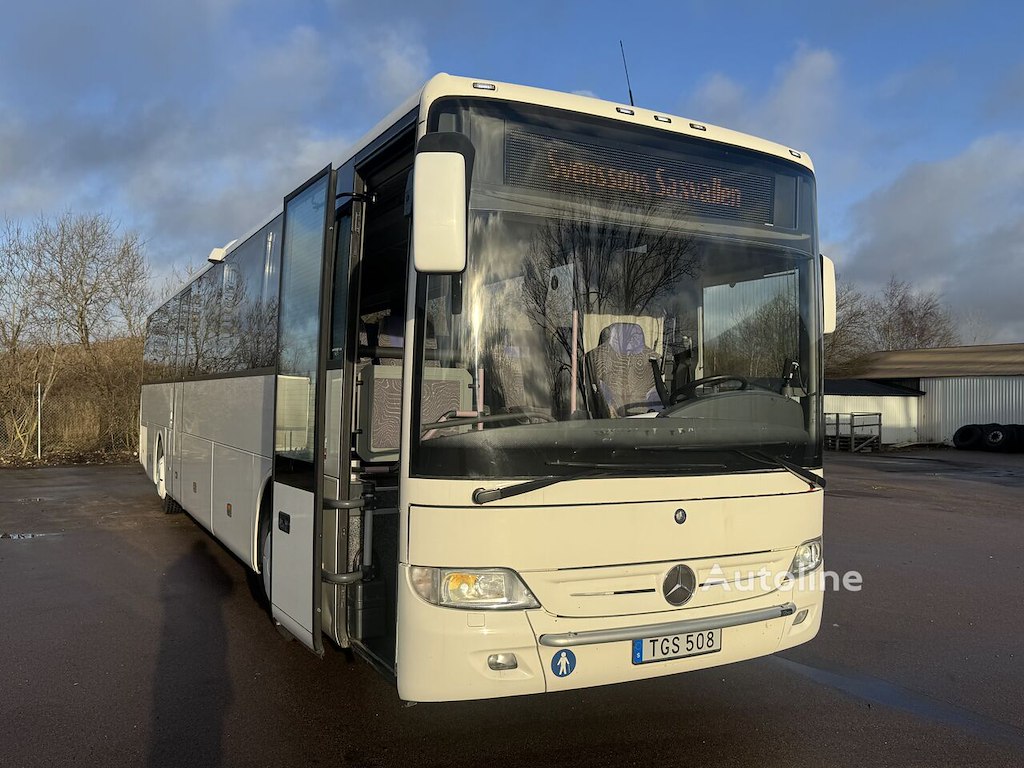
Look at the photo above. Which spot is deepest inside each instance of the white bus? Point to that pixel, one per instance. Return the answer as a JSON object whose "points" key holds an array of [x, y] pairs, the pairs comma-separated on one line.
{"points": [[523, 395]]}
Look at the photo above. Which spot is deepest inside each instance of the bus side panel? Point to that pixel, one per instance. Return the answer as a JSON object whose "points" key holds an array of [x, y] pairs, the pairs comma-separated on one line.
{"points": [[224, 445], [234, 505], [143, 444], [235, 411], [196, 478], [155, 416]]}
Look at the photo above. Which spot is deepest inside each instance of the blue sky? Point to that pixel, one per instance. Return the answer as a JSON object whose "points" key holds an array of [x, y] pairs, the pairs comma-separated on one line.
{"points": [[189, 120]]}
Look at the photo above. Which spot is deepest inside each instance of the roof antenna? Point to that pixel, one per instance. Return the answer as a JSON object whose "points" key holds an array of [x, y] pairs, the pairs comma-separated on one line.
{"points": [[628, 86]]}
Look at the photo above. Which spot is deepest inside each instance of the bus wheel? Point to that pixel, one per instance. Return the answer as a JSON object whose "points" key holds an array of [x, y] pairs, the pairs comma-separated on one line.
{"points": [[265, 553], [159, 471], [266, 564], [170, 506]]}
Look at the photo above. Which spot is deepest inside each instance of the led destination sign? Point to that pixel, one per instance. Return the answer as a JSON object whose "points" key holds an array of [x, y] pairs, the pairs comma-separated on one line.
{"points": [[607, 174]]}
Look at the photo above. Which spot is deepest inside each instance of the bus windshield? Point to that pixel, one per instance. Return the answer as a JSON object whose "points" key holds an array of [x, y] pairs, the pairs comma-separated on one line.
{"points": [[632, 298]]}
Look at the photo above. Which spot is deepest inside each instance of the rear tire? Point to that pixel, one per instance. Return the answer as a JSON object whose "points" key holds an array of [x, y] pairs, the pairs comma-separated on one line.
{"points": [[968, 437], [171, 507], [160, 472]]}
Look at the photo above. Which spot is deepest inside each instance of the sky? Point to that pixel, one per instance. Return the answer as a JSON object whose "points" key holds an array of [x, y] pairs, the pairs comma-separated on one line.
{"points": [[189, 121]]}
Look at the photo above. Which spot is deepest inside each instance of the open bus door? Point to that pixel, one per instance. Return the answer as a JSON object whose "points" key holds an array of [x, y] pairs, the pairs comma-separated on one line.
{"points": [[297, 520]]}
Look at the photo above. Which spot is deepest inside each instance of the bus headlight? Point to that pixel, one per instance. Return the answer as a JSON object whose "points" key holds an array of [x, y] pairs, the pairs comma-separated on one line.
{"points": [[476, 588], [808, 557]]}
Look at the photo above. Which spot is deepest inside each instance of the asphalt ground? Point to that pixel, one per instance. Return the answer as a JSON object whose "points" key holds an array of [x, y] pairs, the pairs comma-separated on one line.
{"points": [[130, 637]]}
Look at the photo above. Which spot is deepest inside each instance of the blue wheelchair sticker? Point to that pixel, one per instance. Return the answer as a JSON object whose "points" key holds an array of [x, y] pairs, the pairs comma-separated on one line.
{"points": [[638, 651], [563, 663]]}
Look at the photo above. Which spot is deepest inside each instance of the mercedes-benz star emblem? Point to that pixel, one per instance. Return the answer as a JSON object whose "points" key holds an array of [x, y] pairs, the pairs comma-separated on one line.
{"points": [[679, 585]]}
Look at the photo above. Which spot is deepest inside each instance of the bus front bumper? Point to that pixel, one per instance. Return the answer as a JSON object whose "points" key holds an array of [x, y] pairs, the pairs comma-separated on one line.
{"points": [[451, 654]]}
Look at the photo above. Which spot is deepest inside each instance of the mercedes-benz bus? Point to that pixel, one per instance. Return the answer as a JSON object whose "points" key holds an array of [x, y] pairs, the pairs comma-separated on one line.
{"points": [[522, 395]]}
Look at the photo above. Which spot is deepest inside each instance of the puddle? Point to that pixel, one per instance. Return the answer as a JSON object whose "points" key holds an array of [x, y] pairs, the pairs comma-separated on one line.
{"points": [[890, 695], [6, 535]]}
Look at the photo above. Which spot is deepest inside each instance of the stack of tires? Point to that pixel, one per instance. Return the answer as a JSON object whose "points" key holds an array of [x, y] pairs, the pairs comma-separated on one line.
{"points": [[989, 437]]}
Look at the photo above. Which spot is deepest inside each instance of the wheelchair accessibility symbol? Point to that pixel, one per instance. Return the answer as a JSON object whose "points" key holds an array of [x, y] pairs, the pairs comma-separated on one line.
{"points": [[563, 663]]}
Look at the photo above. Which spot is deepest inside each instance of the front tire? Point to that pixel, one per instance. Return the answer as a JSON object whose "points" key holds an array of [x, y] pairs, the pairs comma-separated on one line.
{"points": [[266, 552]]}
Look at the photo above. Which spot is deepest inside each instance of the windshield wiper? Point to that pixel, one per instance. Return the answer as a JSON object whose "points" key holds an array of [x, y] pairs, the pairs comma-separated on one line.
{"points": [[590, 469], [758, 456], [464, 421], [795, 469]]}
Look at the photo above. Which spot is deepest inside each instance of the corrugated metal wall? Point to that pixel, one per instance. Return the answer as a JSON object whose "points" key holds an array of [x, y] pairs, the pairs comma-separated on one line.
{"points": [[951, 402], [899, 414]]}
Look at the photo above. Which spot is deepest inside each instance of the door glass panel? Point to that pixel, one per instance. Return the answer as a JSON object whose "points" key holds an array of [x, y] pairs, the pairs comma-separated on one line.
{"points": [[299, 324]]}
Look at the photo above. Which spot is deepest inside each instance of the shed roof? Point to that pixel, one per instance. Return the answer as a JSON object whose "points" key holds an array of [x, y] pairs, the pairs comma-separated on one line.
{"points": [[864, 388], [980, 360]]}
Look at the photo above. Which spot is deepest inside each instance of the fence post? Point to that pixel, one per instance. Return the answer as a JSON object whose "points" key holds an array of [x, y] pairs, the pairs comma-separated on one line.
{"points": [[39, 421]]}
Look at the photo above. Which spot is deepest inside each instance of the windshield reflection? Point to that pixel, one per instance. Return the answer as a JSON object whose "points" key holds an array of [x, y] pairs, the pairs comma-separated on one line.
{"points": [[569, 329]]}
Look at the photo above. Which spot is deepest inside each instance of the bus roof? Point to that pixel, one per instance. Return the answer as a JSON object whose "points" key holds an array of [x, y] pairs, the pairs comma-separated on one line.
{"points": [[443, 84]]}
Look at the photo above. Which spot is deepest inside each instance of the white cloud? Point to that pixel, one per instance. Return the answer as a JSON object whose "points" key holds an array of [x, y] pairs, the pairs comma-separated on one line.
{"points": [[394, 63], [955, 226], [720, 99], [198, 125], [799, 108]]}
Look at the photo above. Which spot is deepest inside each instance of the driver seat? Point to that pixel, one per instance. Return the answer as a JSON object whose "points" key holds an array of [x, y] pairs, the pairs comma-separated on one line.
{"points": [[623, 377]]}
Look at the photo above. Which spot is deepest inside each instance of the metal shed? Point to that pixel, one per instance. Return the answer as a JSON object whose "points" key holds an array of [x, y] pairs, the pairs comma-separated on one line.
{"points": [[981, 384], [898, 406]]}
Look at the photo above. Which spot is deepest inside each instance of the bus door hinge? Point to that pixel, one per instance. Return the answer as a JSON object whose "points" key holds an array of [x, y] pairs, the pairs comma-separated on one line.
{"points": [[359, 197]]}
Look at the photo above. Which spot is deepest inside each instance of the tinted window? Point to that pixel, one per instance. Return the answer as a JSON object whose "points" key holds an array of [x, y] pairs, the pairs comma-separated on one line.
{"points": [[201, 347], [225, 321]]}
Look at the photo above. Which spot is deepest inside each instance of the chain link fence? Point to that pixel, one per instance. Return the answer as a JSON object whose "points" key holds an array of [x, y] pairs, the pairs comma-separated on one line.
{"points": [[89, 412]]}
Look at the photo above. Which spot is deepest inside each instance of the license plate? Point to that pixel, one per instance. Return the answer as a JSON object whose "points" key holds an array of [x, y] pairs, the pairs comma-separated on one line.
{"points": [[676, 646]]}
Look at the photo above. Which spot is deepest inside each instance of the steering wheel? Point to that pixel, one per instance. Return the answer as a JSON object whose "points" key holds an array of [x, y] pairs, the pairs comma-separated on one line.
{"points": [[688, 391]]}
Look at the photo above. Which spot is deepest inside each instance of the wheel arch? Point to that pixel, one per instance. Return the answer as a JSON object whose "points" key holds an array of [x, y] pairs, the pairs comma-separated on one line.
{"points": [[263, 514]]}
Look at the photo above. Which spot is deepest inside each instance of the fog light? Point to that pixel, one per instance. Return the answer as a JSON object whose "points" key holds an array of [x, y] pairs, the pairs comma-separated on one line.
{"points": [[799, 618], [500, 662]]}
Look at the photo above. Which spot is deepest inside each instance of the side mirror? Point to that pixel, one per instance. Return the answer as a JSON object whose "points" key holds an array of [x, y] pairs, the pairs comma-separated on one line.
{"points": [[440, 202], [828, 294]]}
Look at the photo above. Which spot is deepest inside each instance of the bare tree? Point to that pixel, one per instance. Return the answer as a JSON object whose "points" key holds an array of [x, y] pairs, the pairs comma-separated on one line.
{"points": [[29, 338], [975, 327], [902, 318], [98, 275], [851, 338], [899, 317], [74, 291]]}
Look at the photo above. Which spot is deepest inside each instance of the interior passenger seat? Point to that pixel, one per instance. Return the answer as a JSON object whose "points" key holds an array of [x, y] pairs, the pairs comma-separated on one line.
{"points": [[623, 373]]}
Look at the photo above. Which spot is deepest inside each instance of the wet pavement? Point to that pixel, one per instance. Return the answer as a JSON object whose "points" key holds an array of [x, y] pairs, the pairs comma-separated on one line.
{"points": [[129, 637]]}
